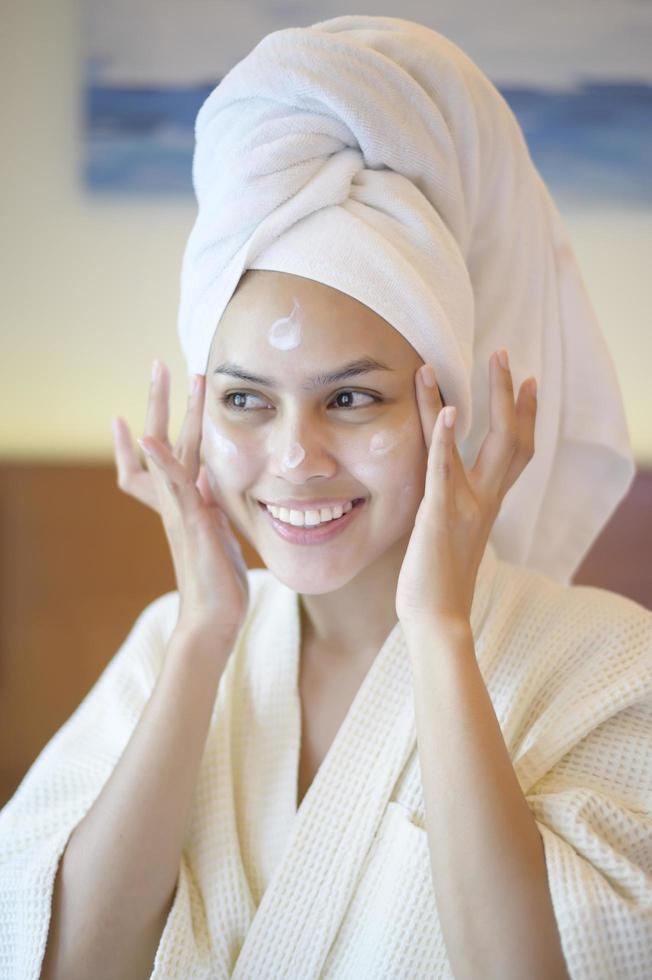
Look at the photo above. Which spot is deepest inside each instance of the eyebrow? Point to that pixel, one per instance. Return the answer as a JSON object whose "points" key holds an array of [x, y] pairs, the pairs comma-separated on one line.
{"points": [[363, 365]]}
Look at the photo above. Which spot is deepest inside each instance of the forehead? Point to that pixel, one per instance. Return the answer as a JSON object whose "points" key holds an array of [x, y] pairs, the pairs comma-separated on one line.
{"points": [[332, 326]]}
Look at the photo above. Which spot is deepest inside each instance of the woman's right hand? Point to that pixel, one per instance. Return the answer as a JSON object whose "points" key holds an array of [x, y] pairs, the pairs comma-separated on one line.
{"points": [[210, 570]]}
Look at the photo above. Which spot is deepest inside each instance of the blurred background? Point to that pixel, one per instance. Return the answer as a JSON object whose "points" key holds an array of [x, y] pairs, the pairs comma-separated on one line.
{"points": [[98, 105]]}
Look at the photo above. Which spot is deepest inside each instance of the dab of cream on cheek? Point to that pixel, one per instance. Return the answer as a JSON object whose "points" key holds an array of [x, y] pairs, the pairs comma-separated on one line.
{"points": [[373, 462], [217, 441], [383, 442], [386, 440], [232, 464]]}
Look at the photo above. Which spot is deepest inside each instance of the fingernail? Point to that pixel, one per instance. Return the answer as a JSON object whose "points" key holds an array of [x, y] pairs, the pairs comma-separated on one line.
{"points": [[144, 448], [503, 358], [449, 416], [428, 376], [156, 367]]}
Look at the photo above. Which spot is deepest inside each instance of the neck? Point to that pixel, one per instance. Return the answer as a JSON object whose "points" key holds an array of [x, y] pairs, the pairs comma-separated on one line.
{"points": [[350, 625]]}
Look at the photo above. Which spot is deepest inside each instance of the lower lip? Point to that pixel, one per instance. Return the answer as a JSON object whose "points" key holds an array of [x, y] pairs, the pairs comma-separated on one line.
{"points": [[314, 535]]}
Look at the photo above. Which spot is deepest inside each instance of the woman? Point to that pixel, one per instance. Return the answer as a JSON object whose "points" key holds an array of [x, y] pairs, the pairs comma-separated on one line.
{"points": [[406, 747]]}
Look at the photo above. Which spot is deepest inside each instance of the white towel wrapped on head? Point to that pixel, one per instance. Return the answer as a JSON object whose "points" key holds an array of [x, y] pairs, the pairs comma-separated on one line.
{"points": [[371, 154]]}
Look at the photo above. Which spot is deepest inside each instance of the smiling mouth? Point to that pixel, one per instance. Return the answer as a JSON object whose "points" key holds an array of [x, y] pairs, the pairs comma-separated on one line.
{"points": [[316, 533], [275, 511]]}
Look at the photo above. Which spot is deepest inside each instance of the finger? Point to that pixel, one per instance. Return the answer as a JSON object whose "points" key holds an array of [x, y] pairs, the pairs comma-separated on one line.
{"points": [[526, 412], [205, 489], [210, 489], [171, 474], [188, 444], [158, 405], [429, 401], [500, 443], [127, 462], [440, 473], [133, 478]]}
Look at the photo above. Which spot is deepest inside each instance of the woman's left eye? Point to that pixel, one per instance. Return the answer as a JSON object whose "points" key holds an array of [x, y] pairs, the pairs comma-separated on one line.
{"points": [[364, 394], [230, 403]]}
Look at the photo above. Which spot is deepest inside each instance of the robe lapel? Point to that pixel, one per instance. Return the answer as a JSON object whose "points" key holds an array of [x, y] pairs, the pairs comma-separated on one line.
{"points": [[312, 858]]}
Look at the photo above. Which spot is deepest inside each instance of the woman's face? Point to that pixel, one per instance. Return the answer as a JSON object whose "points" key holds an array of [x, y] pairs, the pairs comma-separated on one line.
{"points": [[284, 439]]}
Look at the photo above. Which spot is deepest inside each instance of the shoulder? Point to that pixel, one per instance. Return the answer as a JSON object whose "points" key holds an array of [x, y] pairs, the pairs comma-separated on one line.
{"points": [[158, 619], [568, 644], [572, 613], [560, 662]]}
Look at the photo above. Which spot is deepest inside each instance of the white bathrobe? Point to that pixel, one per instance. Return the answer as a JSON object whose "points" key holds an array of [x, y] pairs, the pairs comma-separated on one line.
{"points": [[342, 887]]}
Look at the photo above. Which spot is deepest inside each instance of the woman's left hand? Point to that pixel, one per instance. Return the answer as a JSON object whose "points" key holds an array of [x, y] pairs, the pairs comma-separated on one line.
{"points": [[438, 575]]}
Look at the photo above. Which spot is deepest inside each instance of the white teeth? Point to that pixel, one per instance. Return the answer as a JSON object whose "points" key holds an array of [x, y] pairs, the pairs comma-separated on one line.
{"points": [[309, 518]]}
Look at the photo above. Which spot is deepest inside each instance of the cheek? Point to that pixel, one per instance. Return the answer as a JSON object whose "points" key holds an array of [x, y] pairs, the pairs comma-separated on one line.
{"points": [[391, 463], [233, 464]]}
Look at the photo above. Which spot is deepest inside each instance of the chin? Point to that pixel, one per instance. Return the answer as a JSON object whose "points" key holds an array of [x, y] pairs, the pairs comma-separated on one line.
{"points": [[305, 583], [311, 574]]}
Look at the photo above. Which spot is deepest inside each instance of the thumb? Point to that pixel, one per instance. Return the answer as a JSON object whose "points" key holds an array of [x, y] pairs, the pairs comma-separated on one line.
{"points": [[208, 496], [204, 487]]}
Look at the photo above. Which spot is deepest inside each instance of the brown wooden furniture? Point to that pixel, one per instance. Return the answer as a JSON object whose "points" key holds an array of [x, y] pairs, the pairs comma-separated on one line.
{"points": [[80, 560]]}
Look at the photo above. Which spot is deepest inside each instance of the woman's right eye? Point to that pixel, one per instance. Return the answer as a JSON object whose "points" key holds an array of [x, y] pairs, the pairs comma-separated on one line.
{"points": [[229, 399]]}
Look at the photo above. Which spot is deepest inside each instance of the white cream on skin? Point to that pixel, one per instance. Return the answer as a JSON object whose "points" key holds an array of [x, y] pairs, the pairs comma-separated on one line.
{"points": [[228, 466], [216, 440], [370, 465], [285, 333], [386, 440], [295, 455], [383, 442]]}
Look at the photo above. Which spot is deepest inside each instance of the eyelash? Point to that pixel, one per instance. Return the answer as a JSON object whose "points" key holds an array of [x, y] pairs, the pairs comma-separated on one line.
{"points": [[226, 399]]}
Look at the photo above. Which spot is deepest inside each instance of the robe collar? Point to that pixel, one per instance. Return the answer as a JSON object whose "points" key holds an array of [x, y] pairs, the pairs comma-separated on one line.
{"points": [[312, 856]]}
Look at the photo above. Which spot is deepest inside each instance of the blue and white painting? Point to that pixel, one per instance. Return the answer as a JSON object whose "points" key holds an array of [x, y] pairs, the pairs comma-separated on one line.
{"points": [[577, 74]]}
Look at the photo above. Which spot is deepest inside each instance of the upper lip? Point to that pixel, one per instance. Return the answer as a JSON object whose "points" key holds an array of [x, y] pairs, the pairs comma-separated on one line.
{"points": [[309, 504]]}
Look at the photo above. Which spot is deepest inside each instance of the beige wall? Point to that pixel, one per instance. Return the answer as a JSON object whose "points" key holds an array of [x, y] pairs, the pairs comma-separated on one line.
{"points": [[90, 289]]}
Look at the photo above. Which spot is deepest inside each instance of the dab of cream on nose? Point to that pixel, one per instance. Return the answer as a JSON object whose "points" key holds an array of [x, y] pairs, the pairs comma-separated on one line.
{"points": [[217, 440], [294, 456], [285, 334]]}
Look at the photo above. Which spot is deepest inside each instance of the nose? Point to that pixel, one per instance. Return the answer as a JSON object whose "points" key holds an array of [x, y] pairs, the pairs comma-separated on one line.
{"points": [[298, 451]]}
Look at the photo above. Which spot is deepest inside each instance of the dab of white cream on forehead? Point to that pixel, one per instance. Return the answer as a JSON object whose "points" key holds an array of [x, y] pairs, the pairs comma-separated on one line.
{"points": [[217, 440], [294, 456], [285, 334]]}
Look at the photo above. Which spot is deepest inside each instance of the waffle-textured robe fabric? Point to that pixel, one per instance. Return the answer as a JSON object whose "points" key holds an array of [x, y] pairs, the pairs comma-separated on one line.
{"points": [[341, 887]]}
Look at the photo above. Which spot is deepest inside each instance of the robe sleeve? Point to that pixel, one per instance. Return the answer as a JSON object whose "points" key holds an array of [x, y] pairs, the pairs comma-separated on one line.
{"points": [[184, 949], [594, 813], [63, 783]]}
